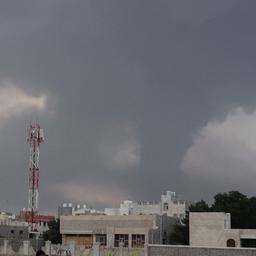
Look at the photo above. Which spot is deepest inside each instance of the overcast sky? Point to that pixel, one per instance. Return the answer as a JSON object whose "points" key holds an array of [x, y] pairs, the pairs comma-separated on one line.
{"points": [[135, 97]]}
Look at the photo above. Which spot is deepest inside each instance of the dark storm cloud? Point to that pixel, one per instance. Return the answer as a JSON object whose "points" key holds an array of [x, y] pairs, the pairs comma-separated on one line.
{"points": [[128, 83]]}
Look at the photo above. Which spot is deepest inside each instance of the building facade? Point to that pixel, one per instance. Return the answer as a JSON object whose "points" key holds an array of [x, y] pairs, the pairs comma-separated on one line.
{"points": [[25, 217], [169, 204], [132, 231], [213, 229]]}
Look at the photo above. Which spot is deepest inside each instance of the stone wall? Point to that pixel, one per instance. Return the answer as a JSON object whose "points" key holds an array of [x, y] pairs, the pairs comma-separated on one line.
{"points": [[19, 247], [169, 250], [25, 248]]}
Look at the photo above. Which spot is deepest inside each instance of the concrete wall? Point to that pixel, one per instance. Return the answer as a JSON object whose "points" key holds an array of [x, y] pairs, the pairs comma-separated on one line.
{"points": [[212, 229], [96, 223], [168, 250], [19, 247], [26, 248], [208, 229], [17, 232], [146, 208]]}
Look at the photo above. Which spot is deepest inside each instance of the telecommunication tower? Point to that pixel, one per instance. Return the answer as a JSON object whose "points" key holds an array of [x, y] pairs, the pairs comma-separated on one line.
{"points": [[35, 137]]}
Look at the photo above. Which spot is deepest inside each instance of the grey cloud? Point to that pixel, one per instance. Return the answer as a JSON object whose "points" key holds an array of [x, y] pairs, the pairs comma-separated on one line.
{"points": [[167, 67], [120, 147], [223, 152], [198, 11]]}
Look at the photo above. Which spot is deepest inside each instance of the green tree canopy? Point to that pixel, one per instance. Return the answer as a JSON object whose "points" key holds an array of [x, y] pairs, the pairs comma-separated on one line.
{"points": [[53, 234]]}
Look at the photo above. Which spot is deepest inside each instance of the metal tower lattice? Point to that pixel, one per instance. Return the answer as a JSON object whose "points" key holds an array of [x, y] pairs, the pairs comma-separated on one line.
{"points": [[34, 138]]}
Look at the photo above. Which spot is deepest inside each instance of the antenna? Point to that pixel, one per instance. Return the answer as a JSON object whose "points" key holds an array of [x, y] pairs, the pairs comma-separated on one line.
{"points": [[35, 137]]}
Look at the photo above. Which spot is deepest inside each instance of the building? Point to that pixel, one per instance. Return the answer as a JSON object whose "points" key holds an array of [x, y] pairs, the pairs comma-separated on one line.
{"points": [[41, 220], [11, 228], [14, 232], [69, 210], [213, 229], [132, 230], [169, 204]]}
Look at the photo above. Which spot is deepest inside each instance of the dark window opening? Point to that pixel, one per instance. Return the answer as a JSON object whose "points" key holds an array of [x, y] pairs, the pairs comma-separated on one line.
{"points": [[121, 238], [231, 243], [102, 239], [21, 232], [138, 241], [248, 243]]}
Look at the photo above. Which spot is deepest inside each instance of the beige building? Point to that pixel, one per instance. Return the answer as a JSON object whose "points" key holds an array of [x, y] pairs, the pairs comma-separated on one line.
{"points": [[213, 229], [110, 231]]}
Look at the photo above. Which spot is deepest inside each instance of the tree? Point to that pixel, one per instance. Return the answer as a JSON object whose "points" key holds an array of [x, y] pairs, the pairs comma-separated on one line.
{"points": [[241, 208], [180, 234], [200, 206], [53, 234], [234, 203]]}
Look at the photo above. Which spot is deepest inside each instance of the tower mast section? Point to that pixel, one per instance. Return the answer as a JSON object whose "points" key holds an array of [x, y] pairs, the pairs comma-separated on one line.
{"points": [[34, 138]]}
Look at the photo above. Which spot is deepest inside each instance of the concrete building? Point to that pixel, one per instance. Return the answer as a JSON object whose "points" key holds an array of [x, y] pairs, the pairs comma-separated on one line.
{"points": [[85, 230], [169, 204], [24, 218], [213, 229], [11, 228], [70, 209], [14, 232], [112, 211], [133, 230]]}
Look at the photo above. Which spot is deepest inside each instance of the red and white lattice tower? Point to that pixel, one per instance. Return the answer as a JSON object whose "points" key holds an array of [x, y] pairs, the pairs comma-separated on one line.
{"points": [[35, 137]]}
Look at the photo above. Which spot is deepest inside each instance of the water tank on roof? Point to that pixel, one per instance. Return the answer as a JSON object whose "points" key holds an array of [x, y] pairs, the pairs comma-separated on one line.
{"points": [[170, 194]]}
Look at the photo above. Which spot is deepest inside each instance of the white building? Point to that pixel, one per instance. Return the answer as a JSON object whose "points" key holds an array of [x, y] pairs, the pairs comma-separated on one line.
{"points": [[169, 205], [70, 209], [213, 229], [112, 211]]}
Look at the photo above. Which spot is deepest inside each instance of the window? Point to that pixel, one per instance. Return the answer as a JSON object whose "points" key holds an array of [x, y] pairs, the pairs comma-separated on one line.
{"points": [[164, 240], [12, 231], [124, 238], [231, 243], [138, 241], [102, 239], [21, 232], [85, 240], [248, 243], [166, 207]]}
